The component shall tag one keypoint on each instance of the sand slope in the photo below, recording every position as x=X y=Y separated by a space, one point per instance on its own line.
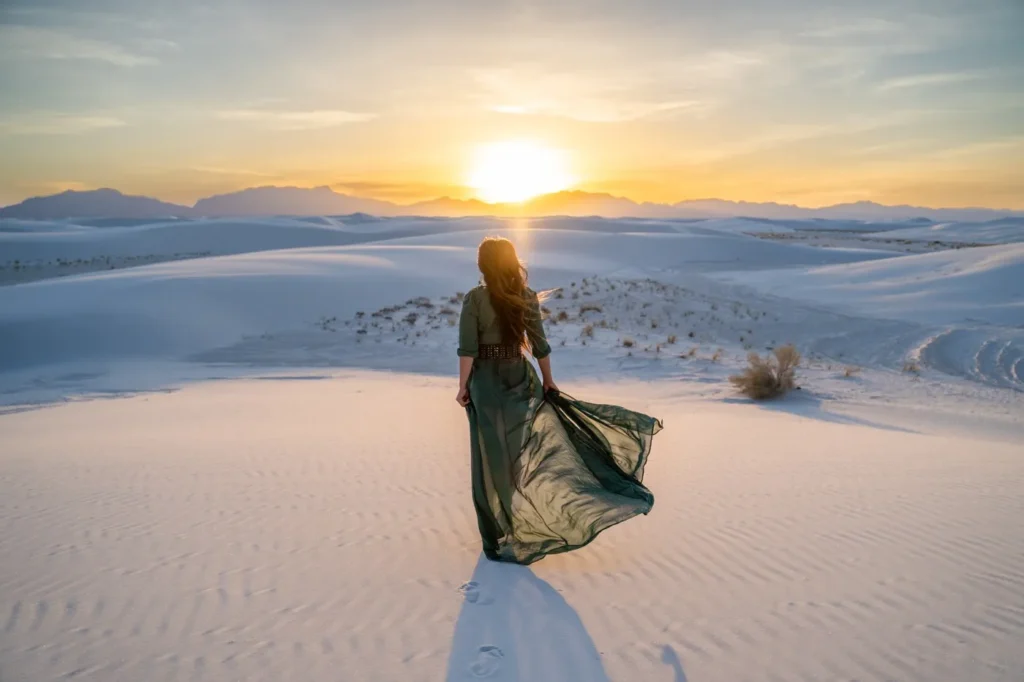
x=284 y=529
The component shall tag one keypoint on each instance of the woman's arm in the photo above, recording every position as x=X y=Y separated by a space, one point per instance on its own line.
x=465 y=368
x=469 y=342
x=539 y=343
x=545 y=373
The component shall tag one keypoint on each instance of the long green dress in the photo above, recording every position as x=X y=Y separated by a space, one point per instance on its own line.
x=549 y=472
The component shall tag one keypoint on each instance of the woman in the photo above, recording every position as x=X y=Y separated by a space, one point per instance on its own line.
x=549 y=472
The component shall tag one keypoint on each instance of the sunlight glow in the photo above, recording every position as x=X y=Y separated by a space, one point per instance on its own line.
x=517 y=170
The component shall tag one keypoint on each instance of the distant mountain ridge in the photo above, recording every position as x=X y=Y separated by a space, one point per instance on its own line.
x=298 y=201
x=98 y=203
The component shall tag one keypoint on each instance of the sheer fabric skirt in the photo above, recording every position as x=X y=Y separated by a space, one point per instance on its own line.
x=549 y=472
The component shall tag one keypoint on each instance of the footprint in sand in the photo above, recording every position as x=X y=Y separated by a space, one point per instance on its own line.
x=488 y=661
x=473 y=594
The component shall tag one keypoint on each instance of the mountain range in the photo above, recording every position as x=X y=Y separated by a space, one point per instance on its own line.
x=270 y=201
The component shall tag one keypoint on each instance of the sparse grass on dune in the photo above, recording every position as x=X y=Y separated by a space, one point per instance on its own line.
x=768 y=377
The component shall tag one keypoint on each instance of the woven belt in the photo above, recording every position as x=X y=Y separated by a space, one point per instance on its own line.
x=499 y=351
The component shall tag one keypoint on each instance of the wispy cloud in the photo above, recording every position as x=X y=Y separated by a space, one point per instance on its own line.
x=597 y=110
x=34 y=42
x=926 y=79
x=295 y=120
x=56 y=124
x=612 y=98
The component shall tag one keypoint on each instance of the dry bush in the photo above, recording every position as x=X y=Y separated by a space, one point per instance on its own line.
x=627 y=343
x=717 y=356
x=588 y=331
x=562 y=316
x=851 y=371
x=588 y=308
x=770 y=376
x=911 y=367
x=671 y=339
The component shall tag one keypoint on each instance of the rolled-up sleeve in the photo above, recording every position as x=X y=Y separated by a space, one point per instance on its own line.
x=535 y=330
x=469 y=332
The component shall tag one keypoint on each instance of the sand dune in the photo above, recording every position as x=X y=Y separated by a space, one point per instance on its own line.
x=285 y=528
x=275 y=485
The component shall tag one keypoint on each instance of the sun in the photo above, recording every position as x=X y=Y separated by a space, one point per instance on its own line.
x=516 y=170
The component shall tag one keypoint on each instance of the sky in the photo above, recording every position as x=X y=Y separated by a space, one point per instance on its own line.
x=812 y=102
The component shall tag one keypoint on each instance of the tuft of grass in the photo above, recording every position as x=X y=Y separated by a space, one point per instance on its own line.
x=851 y=371
x=671 y=340
x=628 y=343
x=717 y=356
x=911 y=367
x=654 y=324
x=590 y=308
x=562 y=316
x=768 y=377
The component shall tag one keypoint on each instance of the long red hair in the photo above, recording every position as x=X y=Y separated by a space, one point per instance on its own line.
x=505 y=277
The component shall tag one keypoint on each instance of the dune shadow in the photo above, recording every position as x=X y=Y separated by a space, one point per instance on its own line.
x=515 y=627
x=807 y=404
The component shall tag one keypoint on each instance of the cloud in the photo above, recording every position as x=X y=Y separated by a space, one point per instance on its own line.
x=926 y=79
x=295 y=120
x=43 y=43
x=607 y=98
x=598 y=110
x=42 y=123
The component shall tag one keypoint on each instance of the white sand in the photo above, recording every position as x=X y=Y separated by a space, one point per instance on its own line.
x=288 y=529
x=251 y=467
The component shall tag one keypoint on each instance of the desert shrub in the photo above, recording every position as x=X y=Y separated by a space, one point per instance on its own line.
x=671 y=339
x=851 y=371
x=717 y=356
x=589 y=308
x=911 y=367
x=562 y=316
x=770 y=376
x=446 y=311
x=588 y=331
x=628 y=343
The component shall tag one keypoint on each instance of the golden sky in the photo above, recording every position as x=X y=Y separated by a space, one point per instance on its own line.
x=813 y=103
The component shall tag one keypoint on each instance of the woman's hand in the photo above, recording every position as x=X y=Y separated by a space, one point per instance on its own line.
x=462 y=398
x=549 y=385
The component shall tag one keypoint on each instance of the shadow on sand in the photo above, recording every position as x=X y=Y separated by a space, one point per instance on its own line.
x=514 y=627
x=810 y=406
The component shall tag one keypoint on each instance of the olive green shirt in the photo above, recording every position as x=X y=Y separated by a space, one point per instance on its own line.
x=479 y=324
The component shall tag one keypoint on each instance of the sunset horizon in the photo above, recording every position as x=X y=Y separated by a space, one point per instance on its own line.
x=796 y=103
x=465 y=195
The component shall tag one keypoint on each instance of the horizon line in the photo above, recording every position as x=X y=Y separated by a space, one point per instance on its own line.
x=526 y=202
